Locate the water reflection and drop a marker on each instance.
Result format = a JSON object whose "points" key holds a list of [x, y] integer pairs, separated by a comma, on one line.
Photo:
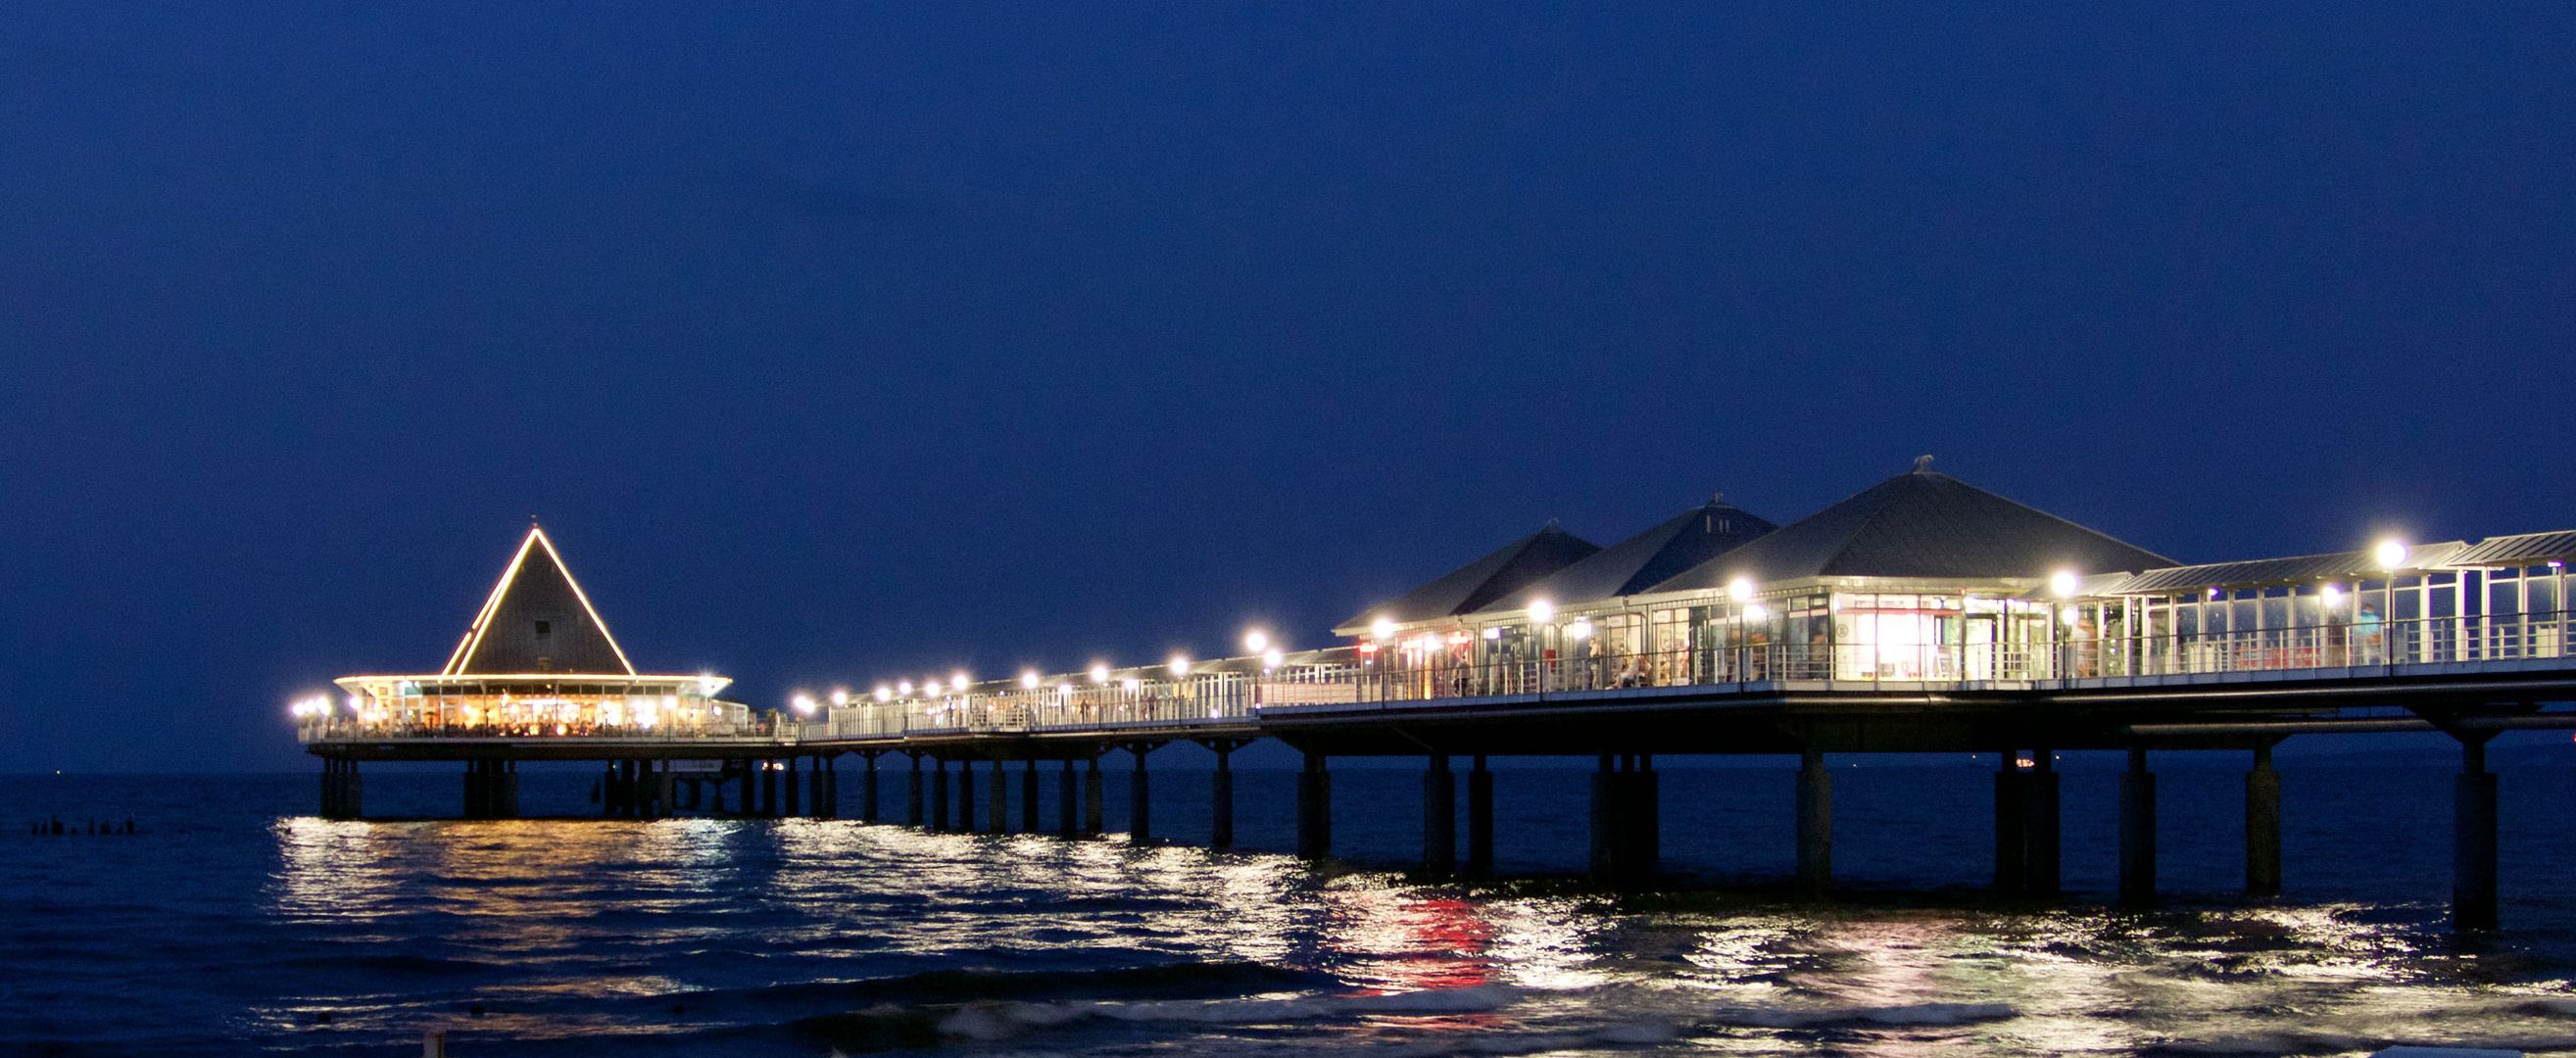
{"points": [[674, 926]]}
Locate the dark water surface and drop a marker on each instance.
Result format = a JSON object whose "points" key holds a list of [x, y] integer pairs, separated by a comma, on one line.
{"points": [[235, 921]]}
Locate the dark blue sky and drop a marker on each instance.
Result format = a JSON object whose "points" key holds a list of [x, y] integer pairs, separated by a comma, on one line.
{"points": [[835, 342]]}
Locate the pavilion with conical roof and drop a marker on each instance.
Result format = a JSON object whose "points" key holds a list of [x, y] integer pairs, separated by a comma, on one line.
{"points": [[538, 660]]}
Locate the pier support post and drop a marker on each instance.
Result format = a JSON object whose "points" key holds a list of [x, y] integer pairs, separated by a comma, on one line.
{"points": [[752, 770], [1644, 849], [2040, 840], [1140, 807], [2012, 814], [828, 799], [964, 821], [792, 802], [1066, 802], [1439, 817], [997, 815], [913, 804], [868, 789], [666, 786], [1314, 809], [341, 794], [2473, 837], [1480, 820], [2137, 831], [1604, 805], [2263, 826], [478, 798], [1221, 798], [1095, 799], [1029, 798], [938, 794], [1815, 825]]}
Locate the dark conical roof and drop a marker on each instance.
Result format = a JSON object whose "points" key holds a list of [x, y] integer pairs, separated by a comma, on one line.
{"points": [[1647, 559], [1921, 524], [1482, 581], [537, 620]]}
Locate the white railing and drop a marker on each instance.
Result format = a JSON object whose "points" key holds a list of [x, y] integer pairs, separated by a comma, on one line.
{"points": [[1237, 698]]}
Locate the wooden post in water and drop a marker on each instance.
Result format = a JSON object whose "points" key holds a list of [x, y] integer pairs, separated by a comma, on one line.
{"points": [[868, 792], [913, 804], [2137, 831], [938, 819], [964, 821], [1604, 816], [2473, 837]]}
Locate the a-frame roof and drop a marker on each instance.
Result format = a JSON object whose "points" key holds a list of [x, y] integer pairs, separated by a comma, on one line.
{"points": [[1647, 559], [537, 620], [1922, 524], [1482, 581]]}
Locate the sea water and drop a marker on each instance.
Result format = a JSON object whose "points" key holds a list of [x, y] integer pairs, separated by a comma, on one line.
{"points": [[235, 922]]}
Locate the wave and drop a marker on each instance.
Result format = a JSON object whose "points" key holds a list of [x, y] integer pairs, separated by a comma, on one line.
{"points": [[1922, 1014], [995, 1021]]}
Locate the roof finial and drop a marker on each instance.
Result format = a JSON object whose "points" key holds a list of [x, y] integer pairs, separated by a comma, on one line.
{"points": [[1716, 498], [1922, 464], [1551, 524]]}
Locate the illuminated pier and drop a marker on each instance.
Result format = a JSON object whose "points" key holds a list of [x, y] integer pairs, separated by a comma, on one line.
{"points": [[1920, 615]]}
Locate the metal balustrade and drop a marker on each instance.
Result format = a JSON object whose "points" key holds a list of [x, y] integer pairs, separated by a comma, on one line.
{"points": [[1236, 698]]}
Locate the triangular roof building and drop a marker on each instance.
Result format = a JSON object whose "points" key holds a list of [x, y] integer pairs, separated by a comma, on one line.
{"points": [[1645, 560], [1923, 524], [1470, 587], [537, 621]]}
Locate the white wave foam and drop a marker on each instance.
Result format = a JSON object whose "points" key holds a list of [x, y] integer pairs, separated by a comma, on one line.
{"points": [[994, 1021], [1910, 1014]]}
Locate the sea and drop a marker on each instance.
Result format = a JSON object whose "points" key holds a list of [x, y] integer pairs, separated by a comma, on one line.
{"points": [[233, 921]]}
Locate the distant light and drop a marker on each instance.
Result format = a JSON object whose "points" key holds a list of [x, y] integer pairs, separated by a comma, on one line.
{"points": [[2333, 595], [1255, 641], [1130, 683], [1029, 680], [1753, 611], [1739, 589], [1582, 628], [1494, 632], [884, 693], [1100, 674], [1542, 611], [1272, 657], [2391, 554], [1383, 628], [840, 696], [803, 704], [2071, 616], [904, 688], [1064, 689], [2065, 583], [931, 688], [353, 703], [958, 680], [1180, 666]]}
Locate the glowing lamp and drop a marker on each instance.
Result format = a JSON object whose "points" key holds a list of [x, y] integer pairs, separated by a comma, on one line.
{"points": [[1272, 657], [1582, 628], [1180, 666], [1029, 681], [1255, 642], [884, 693], [1100, 674], [840, 696], [1494, 633], [1739, 589], [2391, 554], [2065, 583], [1542, 611], [1383, 628]]}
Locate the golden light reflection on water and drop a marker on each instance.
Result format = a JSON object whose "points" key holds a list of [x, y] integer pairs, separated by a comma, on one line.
{"points": [[607, 910]]}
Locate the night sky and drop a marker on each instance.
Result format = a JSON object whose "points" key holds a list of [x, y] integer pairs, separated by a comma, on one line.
{"points": [[841, 342]]}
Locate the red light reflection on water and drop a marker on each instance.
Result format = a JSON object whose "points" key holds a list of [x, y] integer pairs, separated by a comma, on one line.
{"points": [[1415, 942]]}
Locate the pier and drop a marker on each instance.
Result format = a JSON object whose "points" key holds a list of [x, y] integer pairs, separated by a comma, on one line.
{"points": [[1922, 615]]}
